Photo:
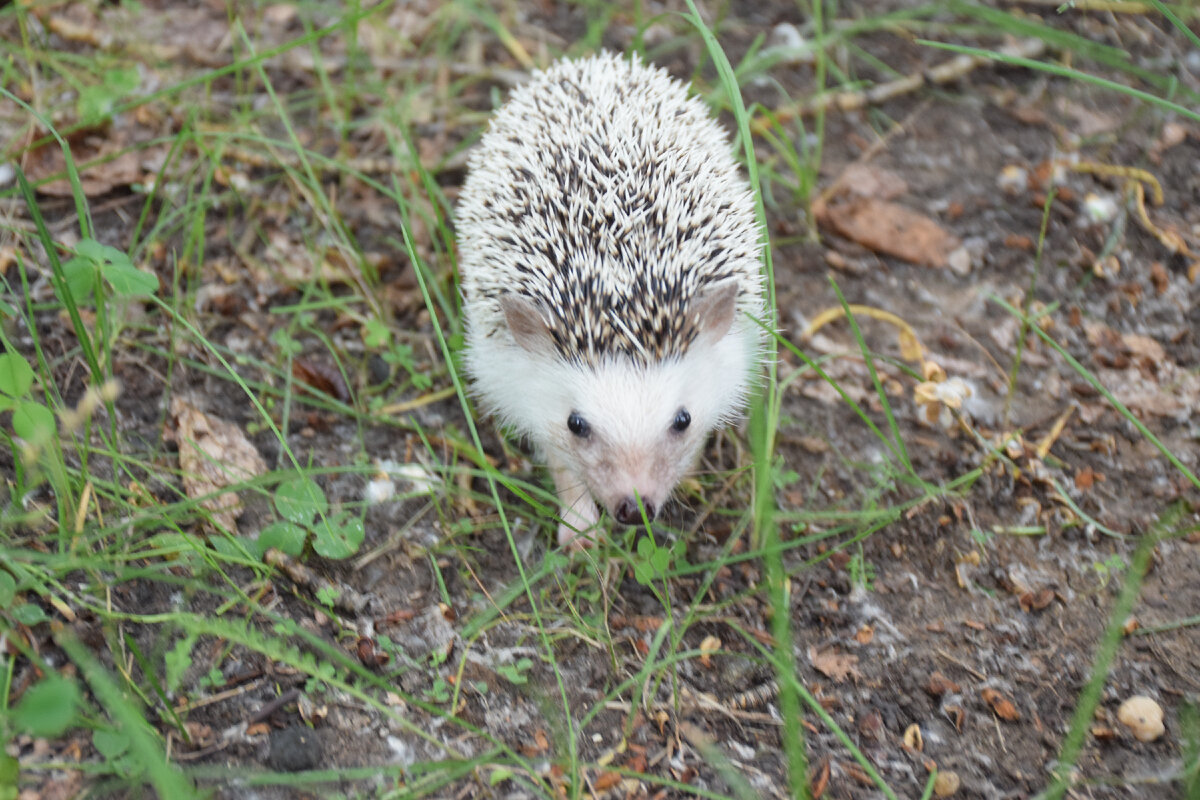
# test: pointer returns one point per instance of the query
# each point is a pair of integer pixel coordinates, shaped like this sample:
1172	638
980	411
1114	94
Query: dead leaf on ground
324	378
1004	708
1174	393
1146	351
1086	478
818	778
95	179
1036	601
78	23
892	229
938	685
213	454
834	664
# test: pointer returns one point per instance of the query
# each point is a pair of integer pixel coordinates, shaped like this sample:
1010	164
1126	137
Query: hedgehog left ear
715	310
526	323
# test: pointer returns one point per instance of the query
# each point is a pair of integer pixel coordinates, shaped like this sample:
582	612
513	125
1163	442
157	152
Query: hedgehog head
622	428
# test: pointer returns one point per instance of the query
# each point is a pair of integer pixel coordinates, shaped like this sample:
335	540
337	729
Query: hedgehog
609	263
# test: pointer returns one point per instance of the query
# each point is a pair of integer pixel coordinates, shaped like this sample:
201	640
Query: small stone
789	41
946	783
959	261
294	749
1012	180
1099	208
1143	716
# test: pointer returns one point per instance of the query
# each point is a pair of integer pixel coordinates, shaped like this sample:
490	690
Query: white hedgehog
609	256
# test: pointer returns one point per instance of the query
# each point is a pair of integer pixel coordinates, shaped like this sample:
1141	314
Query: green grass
95	507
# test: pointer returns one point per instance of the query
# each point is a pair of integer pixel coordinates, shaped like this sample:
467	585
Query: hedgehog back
610	198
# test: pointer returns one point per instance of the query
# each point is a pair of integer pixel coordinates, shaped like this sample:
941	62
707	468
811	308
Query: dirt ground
983	617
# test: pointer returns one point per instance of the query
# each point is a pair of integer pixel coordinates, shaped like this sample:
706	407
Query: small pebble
788	39
1012	180
1143	717
946	783
294	749
1099	208
960	261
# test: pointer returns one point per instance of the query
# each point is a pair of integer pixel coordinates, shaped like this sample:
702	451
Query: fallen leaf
1086	478
1036	601
1159	277
606	780
213	454
1175	392
369	653
957	715
818	779
97	176
1144	349
322	377
892	229
78	23
938	685
834	664
1001	705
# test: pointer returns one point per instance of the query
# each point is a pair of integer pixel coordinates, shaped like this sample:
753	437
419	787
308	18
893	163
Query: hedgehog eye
682	420
578	425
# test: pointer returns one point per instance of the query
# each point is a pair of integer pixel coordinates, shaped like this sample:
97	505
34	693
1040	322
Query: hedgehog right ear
527	323
715	310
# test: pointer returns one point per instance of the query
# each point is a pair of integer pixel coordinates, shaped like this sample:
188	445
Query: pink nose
628	513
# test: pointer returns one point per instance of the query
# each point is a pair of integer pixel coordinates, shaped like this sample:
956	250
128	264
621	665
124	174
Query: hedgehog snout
628	513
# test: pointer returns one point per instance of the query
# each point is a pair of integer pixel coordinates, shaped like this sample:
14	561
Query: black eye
578	425
682	420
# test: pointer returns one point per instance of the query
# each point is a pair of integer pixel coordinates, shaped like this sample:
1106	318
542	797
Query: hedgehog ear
527	323
715	310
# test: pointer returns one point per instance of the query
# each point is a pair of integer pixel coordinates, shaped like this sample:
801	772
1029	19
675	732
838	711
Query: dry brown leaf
1159	277
1149	352
834	664
710	645
892	229
939	685
606	780
95	179
1086	478
322	377
77	23
818	779
1004	708
1036	601
213	454
1174	392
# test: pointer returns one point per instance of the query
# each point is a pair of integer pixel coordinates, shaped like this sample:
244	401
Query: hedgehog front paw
577	521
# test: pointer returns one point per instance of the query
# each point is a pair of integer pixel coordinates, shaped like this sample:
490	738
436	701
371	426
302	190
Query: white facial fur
631	449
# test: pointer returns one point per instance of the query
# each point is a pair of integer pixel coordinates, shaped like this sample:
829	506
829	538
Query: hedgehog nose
628	513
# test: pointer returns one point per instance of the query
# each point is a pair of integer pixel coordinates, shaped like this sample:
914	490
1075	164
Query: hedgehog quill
610	263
